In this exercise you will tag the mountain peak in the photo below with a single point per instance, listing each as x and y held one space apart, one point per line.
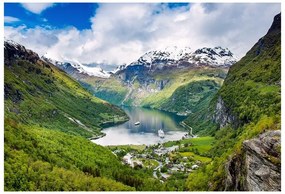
174 56
276 25
75 67
16 50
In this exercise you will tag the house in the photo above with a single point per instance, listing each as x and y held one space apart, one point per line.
173 169
164 176
194 167
127 159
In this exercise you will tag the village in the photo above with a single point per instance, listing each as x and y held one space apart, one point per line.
167 159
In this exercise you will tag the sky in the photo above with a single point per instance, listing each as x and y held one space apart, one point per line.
112 34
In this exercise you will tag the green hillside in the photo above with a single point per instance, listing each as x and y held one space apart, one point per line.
48 117
41 93
181 85
252 96
111 90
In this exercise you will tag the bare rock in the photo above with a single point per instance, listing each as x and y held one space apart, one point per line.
258 167
263 162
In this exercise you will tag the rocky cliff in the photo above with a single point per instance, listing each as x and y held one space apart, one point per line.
258 167
222 114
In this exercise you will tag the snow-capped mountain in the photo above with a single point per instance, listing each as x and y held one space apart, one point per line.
168 55
76 69
72 67
174 56
216 56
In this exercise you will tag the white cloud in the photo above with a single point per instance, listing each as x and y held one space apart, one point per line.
10 19
37 8
120 33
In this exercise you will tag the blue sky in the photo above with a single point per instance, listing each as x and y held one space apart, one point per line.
60 15
119 33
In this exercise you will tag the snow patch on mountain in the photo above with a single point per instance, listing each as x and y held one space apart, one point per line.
215 57
11 43
167 55
91 71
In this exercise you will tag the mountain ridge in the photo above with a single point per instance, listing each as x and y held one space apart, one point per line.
216 56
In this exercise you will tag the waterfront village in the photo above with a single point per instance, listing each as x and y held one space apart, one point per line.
169 158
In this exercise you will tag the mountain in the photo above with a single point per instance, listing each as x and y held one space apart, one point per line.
48 118
247 109
153 79
178 58
158 78
175 58
76 69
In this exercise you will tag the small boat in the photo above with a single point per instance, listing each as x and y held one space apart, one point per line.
160 133
137 123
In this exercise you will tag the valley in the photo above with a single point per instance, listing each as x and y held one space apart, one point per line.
69 128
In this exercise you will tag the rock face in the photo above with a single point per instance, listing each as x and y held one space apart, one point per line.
223 115
263 162
258 168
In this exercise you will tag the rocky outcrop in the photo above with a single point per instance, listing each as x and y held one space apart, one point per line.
222 114
263 162
14 50
258 168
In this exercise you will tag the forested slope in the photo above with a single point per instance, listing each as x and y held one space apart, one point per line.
48 117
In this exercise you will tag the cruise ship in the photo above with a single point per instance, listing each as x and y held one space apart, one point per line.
160 133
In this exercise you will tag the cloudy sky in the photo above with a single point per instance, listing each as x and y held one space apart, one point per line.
115 34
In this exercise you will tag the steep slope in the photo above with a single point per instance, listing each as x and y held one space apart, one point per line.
247 105
48 117
36 90
255 81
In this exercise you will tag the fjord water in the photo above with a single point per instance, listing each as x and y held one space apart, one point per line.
151 121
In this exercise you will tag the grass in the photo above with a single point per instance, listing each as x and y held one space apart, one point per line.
196 157
128 147
149 163
197 148
199 141
203 144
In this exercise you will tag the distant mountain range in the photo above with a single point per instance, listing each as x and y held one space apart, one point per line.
181 57
153 60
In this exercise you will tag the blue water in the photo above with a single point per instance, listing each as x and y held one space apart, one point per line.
151 121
